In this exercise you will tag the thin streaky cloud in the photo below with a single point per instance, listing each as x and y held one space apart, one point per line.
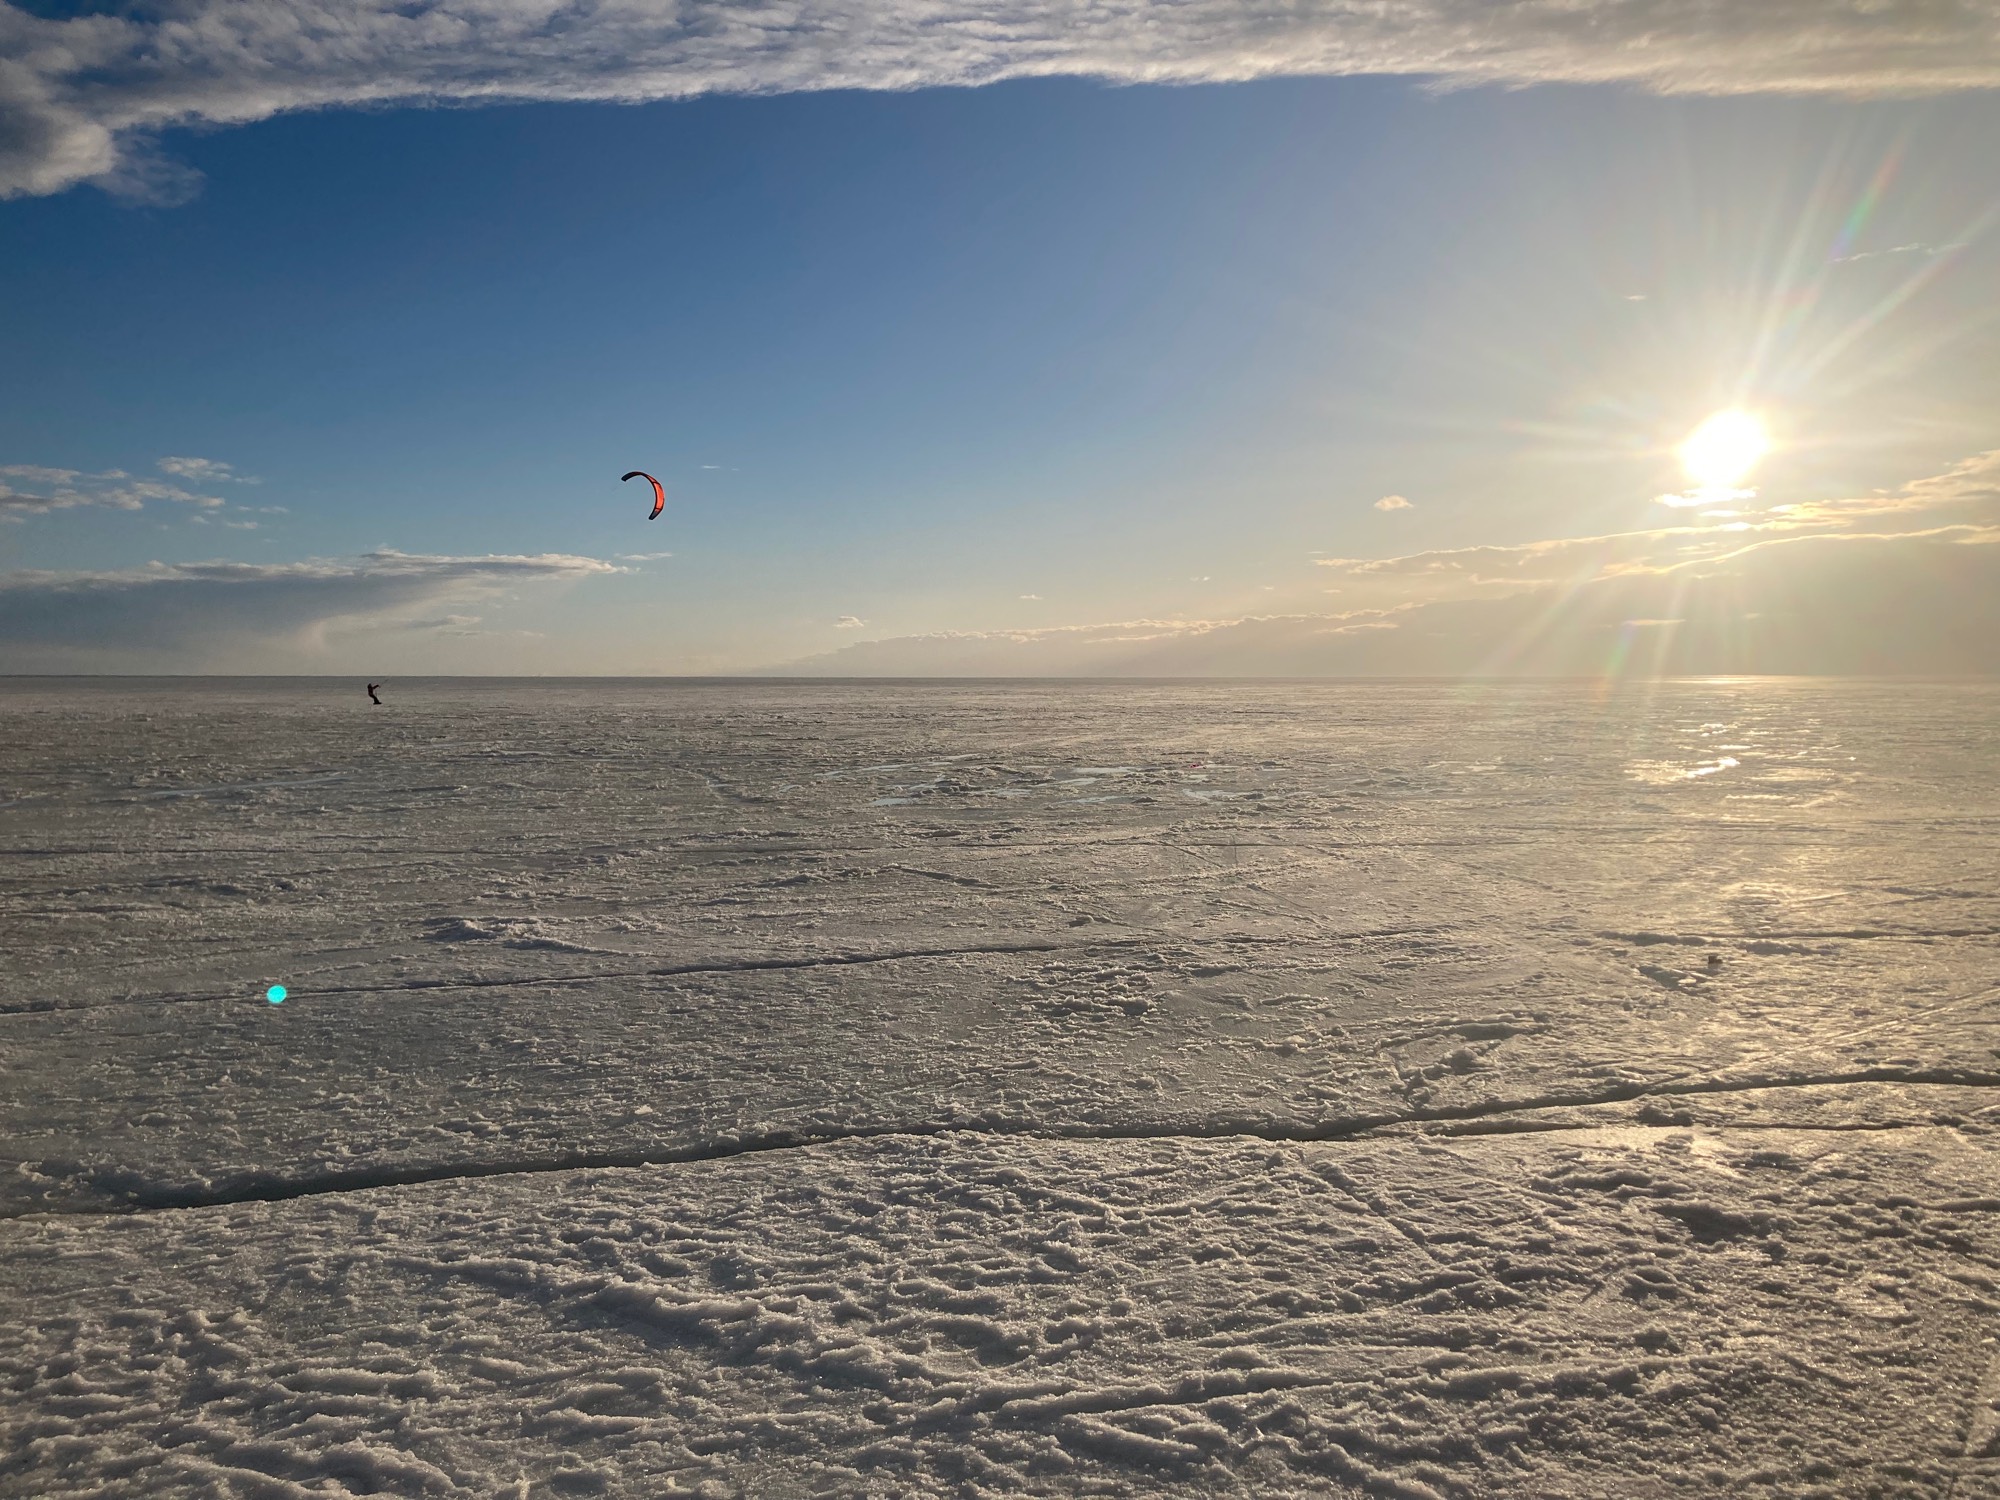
1966 493
1910 249
448 625
204 471
52 489
66 489
82 97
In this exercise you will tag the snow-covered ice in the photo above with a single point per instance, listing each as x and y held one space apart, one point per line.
932 1089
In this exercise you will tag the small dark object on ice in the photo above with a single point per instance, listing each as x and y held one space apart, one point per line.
371 692
1715 960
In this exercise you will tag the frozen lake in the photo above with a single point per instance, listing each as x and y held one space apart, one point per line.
980 1089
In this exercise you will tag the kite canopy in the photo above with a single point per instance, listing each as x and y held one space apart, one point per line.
659 491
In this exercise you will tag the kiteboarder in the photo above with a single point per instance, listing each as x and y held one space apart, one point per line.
371 694
659 491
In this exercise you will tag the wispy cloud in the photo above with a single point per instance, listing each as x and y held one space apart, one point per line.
201 613
205 471
1563 558
849 622
1918 248
1967 493
37 474
35 489
1968 490
81 96
72 490
447 624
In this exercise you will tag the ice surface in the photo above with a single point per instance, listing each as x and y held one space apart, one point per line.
981 1089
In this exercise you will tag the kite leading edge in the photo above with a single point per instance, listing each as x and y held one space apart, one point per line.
659 492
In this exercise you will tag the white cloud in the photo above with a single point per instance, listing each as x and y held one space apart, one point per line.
1031 596
65 489
849 622
1393 502
185 614
15 503
204 471
81 96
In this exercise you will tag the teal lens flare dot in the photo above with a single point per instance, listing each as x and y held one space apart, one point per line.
275 994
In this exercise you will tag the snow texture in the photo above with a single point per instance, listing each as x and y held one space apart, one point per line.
1055 1089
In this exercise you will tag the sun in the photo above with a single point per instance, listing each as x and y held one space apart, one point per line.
1720 453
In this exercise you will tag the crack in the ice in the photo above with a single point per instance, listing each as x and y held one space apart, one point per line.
661 971
1850 934
670 971
275 1188
1475 1129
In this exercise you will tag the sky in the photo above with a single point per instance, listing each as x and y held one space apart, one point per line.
1013 338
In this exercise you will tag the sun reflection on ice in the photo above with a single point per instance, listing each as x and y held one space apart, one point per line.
1666 772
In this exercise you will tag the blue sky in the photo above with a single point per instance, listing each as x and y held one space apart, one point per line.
952 371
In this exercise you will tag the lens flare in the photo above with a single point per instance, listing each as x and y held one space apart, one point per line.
1720 453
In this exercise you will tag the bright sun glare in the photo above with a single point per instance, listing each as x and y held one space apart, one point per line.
1724 449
